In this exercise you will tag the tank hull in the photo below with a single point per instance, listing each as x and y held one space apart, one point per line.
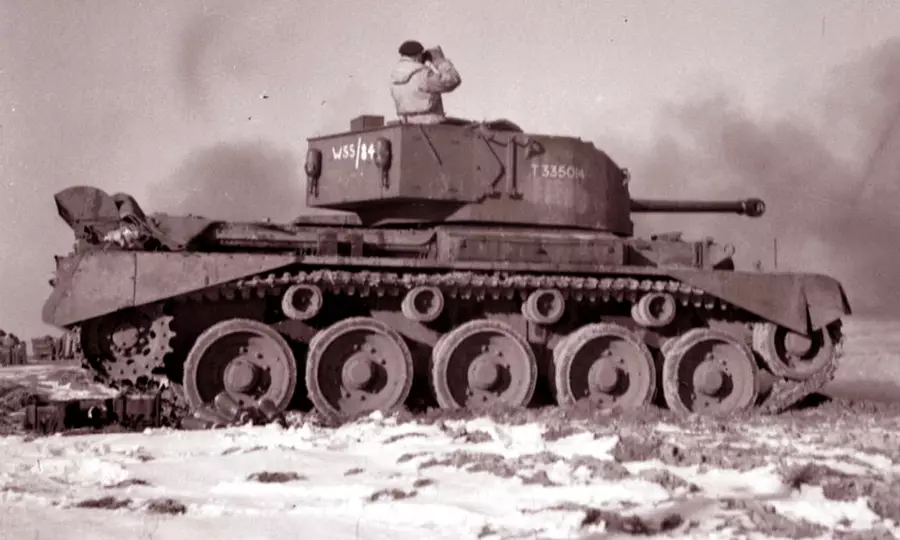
487 282
99 283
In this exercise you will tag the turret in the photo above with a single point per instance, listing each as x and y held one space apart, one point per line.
492 174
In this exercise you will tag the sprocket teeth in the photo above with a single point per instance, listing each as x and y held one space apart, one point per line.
127 371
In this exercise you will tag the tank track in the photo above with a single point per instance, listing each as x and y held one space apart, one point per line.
472 284
783 395
786 393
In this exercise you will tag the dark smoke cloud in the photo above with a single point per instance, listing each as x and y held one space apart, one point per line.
248 180
833 209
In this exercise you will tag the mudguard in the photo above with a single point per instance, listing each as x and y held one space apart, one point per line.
802 303
100 282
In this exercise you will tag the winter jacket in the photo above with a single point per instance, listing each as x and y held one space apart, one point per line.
417 89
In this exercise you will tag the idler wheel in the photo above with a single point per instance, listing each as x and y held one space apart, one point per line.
423 304
483 364
246 360
709 372
654 310
544 306
604 363
357 366
791 355
302 302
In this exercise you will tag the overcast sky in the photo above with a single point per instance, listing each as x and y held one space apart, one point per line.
162 98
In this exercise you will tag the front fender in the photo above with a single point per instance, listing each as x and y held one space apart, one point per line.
802 303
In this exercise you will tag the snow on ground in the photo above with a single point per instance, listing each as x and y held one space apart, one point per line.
383 478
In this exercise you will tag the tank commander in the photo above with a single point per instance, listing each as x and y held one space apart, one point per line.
418 80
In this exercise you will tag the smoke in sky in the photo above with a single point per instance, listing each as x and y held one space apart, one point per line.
252 180
246 180
831 182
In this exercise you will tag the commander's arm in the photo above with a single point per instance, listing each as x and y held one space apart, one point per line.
441 78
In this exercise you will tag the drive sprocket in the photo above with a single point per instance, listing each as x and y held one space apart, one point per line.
125 349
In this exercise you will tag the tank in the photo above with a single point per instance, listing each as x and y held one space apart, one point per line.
467 265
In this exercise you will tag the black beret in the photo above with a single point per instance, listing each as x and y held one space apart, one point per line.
411 48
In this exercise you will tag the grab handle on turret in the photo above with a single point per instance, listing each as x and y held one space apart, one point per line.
752 207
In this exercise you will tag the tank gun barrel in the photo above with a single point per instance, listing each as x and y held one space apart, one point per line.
748 207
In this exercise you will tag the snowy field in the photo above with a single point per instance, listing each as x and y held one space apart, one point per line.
828 472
